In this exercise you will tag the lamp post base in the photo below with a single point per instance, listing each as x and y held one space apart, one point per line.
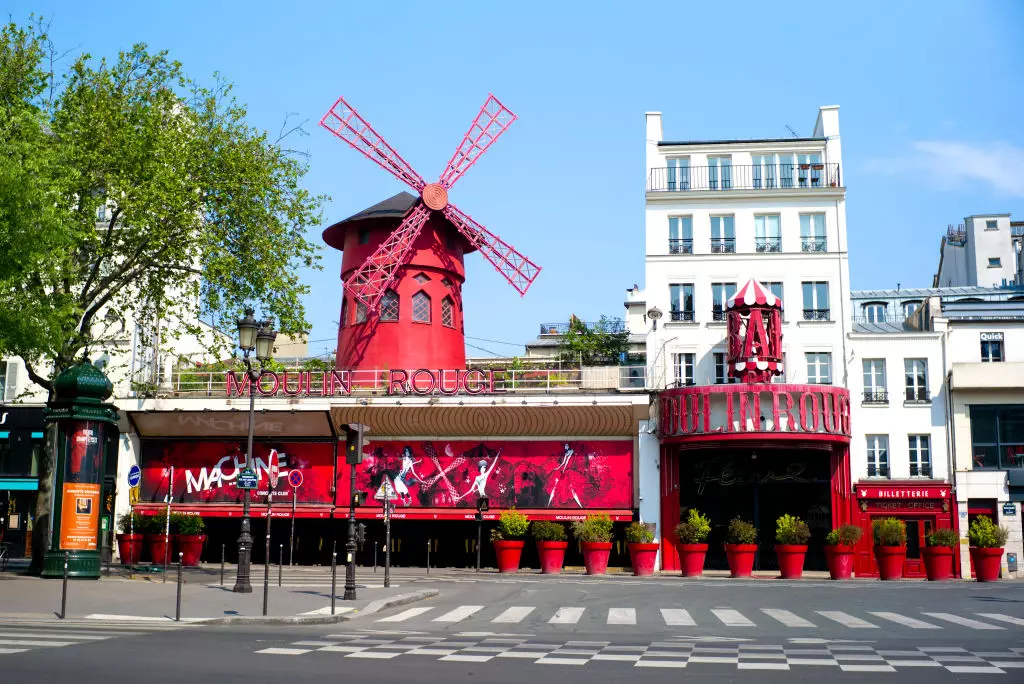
242 583
81 564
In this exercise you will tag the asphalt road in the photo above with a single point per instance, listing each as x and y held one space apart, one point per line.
574 630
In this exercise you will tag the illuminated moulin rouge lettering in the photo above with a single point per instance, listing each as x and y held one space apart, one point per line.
421 381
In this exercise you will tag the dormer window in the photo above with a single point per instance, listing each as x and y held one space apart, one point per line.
874 312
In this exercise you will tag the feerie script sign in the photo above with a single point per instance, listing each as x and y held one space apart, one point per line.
882 492
342 382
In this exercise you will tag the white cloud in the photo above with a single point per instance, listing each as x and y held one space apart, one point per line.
997 164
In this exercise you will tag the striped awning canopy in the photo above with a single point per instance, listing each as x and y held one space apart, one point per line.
751 294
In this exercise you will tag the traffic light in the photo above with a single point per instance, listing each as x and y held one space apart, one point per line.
360 533
357 498
354 442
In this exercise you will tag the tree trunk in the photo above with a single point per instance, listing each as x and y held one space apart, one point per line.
44 501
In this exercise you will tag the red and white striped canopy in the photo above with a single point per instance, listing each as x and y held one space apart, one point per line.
753 293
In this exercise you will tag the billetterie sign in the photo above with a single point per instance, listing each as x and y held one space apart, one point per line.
340 383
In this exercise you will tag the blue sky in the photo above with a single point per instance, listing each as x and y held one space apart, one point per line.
932 103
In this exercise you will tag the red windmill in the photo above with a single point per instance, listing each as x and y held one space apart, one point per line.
411 273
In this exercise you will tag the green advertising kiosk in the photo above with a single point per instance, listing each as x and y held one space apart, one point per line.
84 423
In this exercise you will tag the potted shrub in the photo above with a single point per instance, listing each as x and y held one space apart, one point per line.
938 554
129 538
890 547
595 536
791 535
508 539
740 547
551 545
693 542
190 538
157 539
839 551
643 550
987 541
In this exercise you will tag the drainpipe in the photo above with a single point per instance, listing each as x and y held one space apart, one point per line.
842 303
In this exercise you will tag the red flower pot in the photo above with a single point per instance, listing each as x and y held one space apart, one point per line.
986 563
130 548
643 557
552 554
791 560
741 559
595 557
840 561
158 543
938 562
691 559
191 547
890 561
508 552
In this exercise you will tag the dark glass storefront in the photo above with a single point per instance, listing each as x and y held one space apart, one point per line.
997 436
22 441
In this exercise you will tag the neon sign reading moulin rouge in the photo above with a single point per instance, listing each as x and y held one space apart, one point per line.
340 383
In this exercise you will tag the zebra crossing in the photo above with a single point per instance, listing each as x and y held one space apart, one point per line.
722 617
23 636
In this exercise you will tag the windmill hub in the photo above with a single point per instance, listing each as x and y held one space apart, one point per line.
435 196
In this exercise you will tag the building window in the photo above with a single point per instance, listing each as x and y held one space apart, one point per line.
723 235
680 235
874 313
389 306
764 171
720 294
721 370
994 262
344 312
878 455
360 311
816 301
812 233
874 382
819 368
809 168
682 302
991 347
997 436
991 224
421 307
916 371
683 366
776 289
679 173
447 312
421 278
910 308
767 234
920 456
719 173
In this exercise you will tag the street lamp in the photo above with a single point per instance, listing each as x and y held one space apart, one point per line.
481 508
258 336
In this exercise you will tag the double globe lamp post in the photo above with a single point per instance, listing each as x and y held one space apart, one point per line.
255 336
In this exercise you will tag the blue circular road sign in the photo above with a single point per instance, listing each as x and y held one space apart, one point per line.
134 476
295 478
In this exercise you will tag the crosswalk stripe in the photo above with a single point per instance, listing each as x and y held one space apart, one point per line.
5 651
30 642
846 620
787 618
732 618
621 616
405 615
567 616
460 613
677 617
55 635
966 622
904 620
1003 618
514 614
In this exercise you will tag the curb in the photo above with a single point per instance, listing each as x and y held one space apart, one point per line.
371 607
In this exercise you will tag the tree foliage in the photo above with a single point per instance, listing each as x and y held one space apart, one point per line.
600 343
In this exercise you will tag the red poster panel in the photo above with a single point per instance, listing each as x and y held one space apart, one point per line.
206 472
526 475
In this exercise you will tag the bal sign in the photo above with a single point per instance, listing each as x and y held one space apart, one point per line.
295 478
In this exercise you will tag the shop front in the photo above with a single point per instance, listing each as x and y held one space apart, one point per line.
22 444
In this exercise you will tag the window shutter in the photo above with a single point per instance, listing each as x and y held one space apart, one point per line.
11 381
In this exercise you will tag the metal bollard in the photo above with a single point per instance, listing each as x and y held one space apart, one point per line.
280 561
374 558
334 576
177 608
64 590
428 556
222 565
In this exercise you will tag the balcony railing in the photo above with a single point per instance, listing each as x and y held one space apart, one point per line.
876 396
917 394
723 245
680 246
743 177
878 471
924 470
717 313
816 314
682 316
813 244
768 244
611 325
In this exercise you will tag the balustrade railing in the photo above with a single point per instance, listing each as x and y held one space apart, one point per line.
766 177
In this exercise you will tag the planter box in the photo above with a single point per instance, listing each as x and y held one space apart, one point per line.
890 561
741 559
791 560
986 563
938 562
691 559
158 544
643 557
552 555
840 561
508 553
191 548
129 546
595 557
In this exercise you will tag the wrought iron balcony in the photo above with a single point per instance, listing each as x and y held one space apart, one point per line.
683 316
772 244
876 396
717 313
816 314
924 470
917 395
680 246
878 470
723 245
813 244
743 177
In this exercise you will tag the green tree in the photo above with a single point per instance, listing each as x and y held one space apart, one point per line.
596 344
130 193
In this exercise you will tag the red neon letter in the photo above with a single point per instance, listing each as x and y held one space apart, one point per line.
398 382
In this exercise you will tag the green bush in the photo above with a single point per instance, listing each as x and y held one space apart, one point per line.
889 532
844 535
191 525
946 537
985 534
156 524
545 530
740 532
129 522
512 525
638 533
696 528
596 528
790 529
